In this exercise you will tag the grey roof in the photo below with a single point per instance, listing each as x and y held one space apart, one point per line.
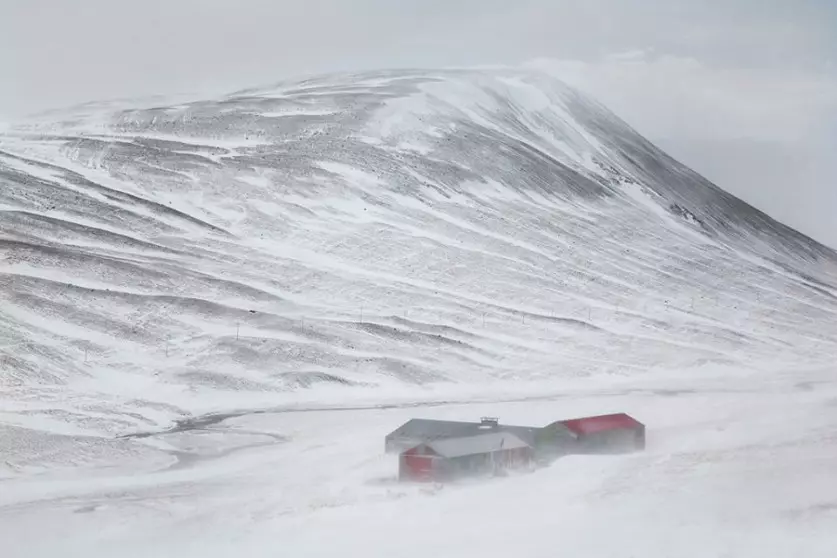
428 430
473 445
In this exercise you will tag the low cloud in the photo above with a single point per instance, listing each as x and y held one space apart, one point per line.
671 96
765 135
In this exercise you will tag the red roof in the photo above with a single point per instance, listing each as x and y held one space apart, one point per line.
589 425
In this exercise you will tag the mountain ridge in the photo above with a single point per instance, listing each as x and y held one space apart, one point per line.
378 230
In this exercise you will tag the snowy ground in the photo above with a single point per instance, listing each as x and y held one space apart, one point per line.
734 467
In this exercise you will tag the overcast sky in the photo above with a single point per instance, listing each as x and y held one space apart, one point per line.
744 91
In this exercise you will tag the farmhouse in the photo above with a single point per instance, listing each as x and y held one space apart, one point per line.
454 458
551 441
615 433
440 450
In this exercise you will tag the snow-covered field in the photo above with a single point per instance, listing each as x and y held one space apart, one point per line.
735 466
212 312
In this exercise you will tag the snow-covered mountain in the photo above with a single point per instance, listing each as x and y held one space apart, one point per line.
176 278
381 230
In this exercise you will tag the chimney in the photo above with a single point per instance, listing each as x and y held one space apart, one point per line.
489 422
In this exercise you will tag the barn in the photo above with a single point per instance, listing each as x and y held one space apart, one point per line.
614 433
455 458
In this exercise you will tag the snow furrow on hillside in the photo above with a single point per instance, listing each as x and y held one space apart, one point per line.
231 249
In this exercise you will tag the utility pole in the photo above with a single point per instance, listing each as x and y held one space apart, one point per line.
237 329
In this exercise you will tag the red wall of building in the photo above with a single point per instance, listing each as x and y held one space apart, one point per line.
416 467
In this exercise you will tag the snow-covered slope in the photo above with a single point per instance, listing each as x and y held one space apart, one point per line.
389 230
389 240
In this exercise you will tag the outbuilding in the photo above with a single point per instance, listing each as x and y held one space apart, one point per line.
614 433
455 458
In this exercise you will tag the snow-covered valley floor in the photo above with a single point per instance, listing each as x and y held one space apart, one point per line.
735 466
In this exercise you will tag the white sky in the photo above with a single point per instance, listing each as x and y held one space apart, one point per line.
745 91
